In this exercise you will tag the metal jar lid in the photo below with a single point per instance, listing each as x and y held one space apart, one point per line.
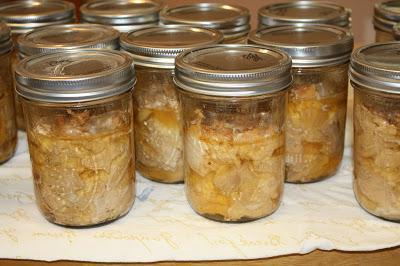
231 20
386 15
377 66
68 37
159 45
75 76
124 15
233 70
25 15
304 13
309 45
6 43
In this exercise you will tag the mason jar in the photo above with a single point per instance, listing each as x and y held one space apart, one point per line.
8 127
316 117
374 74
303 13
78 108
386 15
233 104
123 15
158 125
64 37
25 15
232 20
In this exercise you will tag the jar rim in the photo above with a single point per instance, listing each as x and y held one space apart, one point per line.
146 12
308 45
373 66
84 36
229 19
327 13
248 70
158 46
75 76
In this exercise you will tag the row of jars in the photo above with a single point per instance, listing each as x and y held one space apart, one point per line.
232 20
223 134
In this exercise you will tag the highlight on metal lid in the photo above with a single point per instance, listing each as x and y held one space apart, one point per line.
67 37
233 70
386 14
24 15
377 67
125 15
303 13
231 20
309 45
75 76
158 46
6 43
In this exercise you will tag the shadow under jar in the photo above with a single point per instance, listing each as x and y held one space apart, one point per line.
158 125
386 16
26 15
78 108
123 15
316 117
375 76
232 21
233 105
304 13
8 127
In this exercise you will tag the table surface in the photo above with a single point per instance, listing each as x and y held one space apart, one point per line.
385 257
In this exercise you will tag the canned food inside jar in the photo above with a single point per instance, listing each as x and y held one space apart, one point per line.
317 101
234 152
234 102
80 133
374 76
158 133
315 123
8 129
376 157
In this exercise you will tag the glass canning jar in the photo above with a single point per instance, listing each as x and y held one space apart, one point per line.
232 20
123 15
316 117
61 38
26 15
233 104
158 129
374 74
8 127
303 13
386 15
78 109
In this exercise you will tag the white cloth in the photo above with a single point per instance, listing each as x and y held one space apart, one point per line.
161 225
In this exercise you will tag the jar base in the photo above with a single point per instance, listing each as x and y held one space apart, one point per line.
106 222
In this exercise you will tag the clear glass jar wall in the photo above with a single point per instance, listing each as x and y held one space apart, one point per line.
82 159
158 131
376 152
8 127
18 106
383 36
158 127
234 155
316 121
